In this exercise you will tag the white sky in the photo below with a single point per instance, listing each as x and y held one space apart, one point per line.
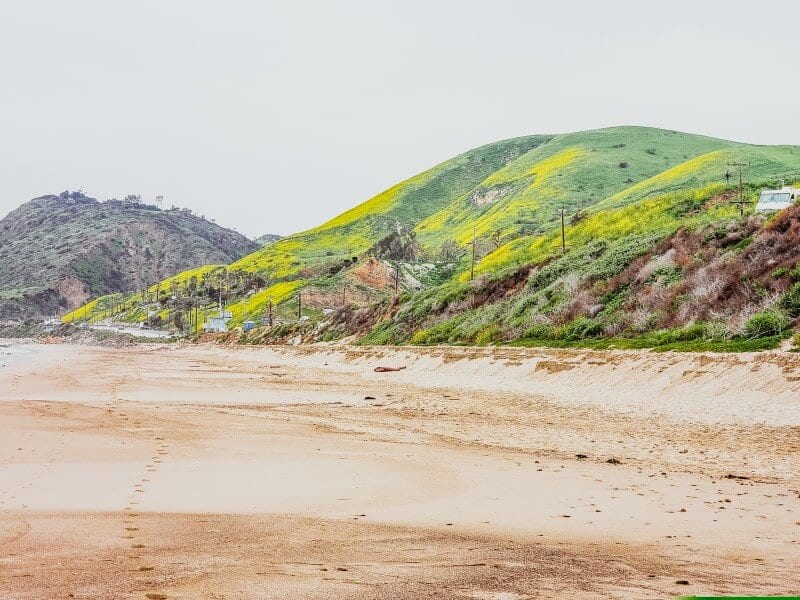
273 116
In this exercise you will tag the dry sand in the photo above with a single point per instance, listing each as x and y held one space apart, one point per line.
208 472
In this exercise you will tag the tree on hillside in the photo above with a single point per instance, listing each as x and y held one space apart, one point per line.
401 244
449 251
496 238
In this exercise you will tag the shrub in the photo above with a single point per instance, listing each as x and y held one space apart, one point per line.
419 338
384 333
765 324
539 332
697 331
580 329
488 335
791 300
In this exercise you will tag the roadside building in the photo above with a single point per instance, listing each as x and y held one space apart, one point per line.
218 324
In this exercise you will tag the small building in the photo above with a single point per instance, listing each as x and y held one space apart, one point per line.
248 325
218 324
777 199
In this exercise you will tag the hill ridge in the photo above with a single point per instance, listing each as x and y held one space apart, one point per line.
57 250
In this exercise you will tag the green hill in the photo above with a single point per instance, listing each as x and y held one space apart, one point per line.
627 193
409 202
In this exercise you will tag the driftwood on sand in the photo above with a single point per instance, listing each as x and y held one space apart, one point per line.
388 369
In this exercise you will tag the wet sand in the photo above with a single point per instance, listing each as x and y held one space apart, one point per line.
207 472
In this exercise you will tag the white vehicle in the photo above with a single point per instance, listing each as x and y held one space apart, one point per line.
777 199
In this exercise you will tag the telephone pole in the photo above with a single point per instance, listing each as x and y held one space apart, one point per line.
270 311
472 266
299 305
563 233
741 201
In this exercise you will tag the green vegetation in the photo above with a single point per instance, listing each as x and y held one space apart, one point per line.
769 323
408 202
655 253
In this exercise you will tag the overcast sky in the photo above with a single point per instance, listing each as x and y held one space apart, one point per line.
273 116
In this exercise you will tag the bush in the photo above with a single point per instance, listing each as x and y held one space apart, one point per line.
419 338
696 331
766 324
580 329
791 300
488 335
539 332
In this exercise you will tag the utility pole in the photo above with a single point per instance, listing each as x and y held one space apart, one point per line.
299 305
741 201
396 279
563 233
270 311
472 266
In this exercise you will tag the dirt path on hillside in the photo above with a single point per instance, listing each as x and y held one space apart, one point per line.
204 472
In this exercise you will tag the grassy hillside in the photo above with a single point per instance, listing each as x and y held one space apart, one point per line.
635 199
572 171
407 203
702 176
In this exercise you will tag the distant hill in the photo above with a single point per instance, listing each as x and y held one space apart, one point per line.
653 242
58 251
268 239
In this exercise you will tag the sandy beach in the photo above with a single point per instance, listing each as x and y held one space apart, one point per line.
166 472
